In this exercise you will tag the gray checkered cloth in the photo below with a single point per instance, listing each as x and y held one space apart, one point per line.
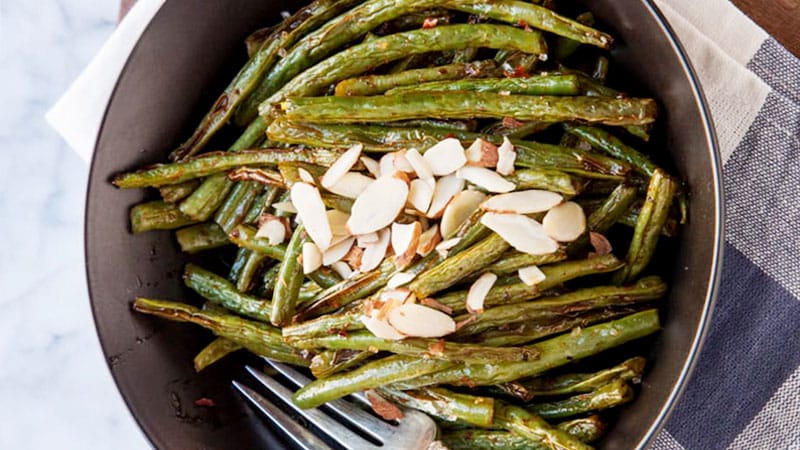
745 390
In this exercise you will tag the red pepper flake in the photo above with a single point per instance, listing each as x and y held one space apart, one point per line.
518 72
430 22
450 135
207 402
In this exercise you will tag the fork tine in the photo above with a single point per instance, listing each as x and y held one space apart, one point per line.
365 421
301 436
332 428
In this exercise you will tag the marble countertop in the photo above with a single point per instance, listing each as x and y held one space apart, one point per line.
55 388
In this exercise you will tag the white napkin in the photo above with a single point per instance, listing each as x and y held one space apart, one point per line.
79 112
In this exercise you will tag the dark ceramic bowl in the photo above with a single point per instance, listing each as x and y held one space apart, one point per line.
182 60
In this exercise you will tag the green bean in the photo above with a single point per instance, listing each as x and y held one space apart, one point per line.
256 337
266 177
337 323
564 47
533 85
256 39
586 429
245 237
261 204
252 264
220 291
268 279
329 362
458 105
173 193
203 236
612 209
652 217
514 260
605 141
531 426
378 373
554 352
213 352
446 405
215 162
157 215
237 267
610 395
236 206
578 383
290 278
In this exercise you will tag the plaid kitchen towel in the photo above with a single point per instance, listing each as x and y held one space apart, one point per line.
745 390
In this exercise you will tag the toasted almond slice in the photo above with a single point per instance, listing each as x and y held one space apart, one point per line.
421 321
427 301
565 222
428 240
531 275
375 252
446 188
396 297
338 221
385 409
444 246
387 165
506 156
306 176
485 178
381 328
274 230
523 202
366 239
478 292
445 157
373 167
286 207
405 238
342 269
420 166
341 166
351 184
336 252
459 209
400 279
312 257
420 195
400 162
353 257
600 243
311 211
482 154
521 232
378 205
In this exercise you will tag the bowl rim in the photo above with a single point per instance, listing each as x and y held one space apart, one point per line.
715 269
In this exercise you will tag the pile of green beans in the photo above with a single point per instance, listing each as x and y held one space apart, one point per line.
376 73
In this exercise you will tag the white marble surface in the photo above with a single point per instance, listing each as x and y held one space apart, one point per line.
55 388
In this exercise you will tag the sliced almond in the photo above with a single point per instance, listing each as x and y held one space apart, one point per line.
420 166
366 239
478 292
401 164
485 178
482 154
600 243
286 207
445 157
337 252
274 230
446 188
446 245
400 279
341 166
428 240
381 328
459 209
373 167
531 275
374 253
342 269
311 211
506 156
378 205
312 257
523 202
565 222
421 321
306 176
351 184
420 195
386 165
405 238
338 221
353 257
521 232
427 301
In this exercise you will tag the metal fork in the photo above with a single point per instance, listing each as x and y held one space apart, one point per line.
415 431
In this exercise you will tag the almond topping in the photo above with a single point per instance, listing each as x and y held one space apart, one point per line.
378 205
417 320
341 166
600 243
446 188
374 253
523 202
373 167
565 222
400 279
420 165
365 239
273 229
445 157
444 246
312 212
337 251
342 269
286 207
506 156
351 184
459 209
381 328
478 292
485 178
531 275
306 176
401 164
521 232
420 195
482 154
405 238
428 240
312 257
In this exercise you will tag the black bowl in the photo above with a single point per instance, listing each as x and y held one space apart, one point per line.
182 60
